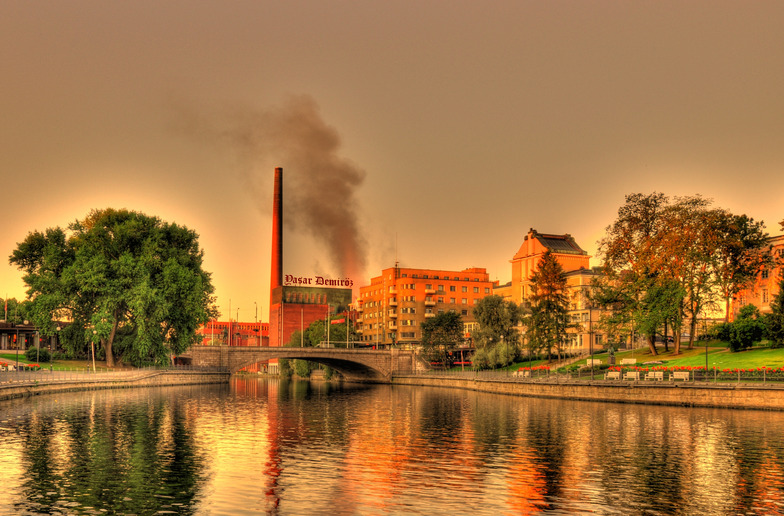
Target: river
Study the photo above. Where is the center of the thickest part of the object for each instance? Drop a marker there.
(258, 446)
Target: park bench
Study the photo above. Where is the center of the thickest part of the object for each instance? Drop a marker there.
(655, 375)
(631, 375)
(612, 375)
(680, 375)
(594, 361)
(628, 361)
(522, 373)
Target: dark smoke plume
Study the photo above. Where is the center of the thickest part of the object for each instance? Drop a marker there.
(319, 184)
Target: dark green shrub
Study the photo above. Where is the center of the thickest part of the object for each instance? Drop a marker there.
(37, 355)
(747, 329)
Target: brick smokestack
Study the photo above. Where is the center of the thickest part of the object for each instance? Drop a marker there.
(277, 232)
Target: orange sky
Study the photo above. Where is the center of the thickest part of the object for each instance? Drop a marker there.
(459, 124)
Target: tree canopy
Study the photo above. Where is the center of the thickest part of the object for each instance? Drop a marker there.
(667, 260)
(442, 334)
(496, 339)
(127, 281)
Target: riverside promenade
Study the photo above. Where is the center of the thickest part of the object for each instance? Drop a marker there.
(20, 384)
(735, 395)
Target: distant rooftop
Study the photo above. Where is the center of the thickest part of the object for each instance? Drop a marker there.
(561, 244)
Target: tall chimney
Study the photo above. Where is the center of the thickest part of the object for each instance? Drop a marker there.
(277, 232)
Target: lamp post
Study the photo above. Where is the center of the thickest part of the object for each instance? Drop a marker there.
(92, 347)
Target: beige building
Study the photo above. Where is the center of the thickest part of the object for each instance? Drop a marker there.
(766, 286)
(579, 276)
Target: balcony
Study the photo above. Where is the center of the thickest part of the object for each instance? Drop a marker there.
(393, 290)
(430, 291)
(392, 325)
(392, 301)
(428, 316)
(429, 301)
(392, 314)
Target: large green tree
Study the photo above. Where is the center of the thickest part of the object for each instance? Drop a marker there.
(497, 338)
(742, 251)
(442, 334)
(669, 260)
(129, 282)
(548, 307)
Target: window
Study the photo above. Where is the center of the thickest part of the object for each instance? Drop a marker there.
(429, 286)
(764, 295)
(440, 288)
(487, 290)
(765, 274)
(464, 312)
(464, 289)
(452, 300)
(451, 288)
(415, 275)
(465, 301)
(476, 290)
(440, 299)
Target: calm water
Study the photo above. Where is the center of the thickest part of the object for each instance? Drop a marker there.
(263, 446)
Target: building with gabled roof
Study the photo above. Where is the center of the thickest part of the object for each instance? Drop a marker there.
(570, 255)
(579, 279)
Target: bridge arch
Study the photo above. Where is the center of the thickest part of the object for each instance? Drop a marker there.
(353, 364)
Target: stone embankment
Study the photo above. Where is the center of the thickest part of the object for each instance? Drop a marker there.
(693, 394)
(41, 384)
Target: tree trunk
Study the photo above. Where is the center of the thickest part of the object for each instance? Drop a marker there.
(666, 345)
(108, 345)
(677, 338)
(692, 331)
(727, 309)
(652, 344)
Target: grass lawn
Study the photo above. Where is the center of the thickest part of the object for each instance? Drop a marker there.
(57, 365)
(719, 355)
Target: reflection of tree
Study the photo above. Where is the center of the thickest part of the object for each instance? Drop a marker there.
(115, 453)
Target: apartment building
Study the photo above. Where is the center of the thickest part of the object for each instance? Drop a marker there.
(394, 305)
(766, 285)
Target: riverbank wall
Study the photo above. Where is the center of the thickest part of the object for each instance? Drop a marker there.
(145, 379)
(691, 394)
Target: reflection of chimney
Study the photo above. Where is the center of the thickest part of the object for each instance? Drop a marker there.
(277, 231)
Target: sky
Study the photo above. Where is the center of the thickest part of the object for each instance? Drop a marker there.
(429, 133)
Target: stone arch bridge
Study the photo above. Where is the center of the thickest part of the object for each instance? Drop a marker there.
(354, 364)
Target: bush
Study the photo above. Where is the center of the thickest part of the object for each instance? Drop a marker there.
(38, 355)
(747, 329)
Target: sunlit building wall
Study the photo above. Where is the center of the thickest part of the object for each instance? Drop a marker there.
(579, 277)
(766, 286)
(394, 305)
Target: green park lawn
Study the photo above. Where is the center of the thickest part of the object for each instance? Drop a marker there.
(57, 365)
(719, 356)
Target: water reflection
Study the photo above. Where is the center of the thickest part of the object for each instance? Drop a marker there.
(263, 446)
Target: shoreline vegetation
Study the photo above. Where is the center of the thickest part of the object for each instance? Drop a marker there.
(757, 368)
